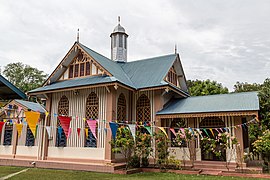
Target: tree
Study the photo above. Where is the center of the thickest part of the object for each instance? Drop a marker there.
(246, 87)
(205, 87)
(24, 76)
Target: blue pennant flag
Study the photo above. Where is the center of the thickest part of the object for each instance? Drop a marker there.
(114, 127)
(60, 131)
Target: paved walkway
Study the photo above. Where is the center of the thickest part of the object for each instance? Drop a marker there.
(13, 174)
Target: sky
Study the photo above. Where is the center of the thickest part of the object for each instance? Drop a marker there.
(222, 40)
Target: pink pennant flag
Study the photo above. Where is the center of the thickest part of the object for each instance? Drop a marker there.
(19, 111)
(173, 131)
(79, 131)
(92, 125)
(217, 130)
(69, 132)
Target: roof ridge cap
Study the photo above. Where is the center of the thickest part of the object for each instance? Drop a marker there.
(138, 60)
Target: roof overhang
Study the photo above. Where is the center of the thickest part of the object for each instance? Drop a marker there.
(209, 114)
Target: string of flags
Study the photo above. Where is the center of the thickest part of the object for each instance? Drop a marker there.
(32, 118)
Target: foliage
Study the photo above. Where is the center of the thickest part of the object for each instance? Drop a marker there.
(24, 76)
(124, 144)
(187, 137)
(264, 97)
(246, 87)
(205, 87)
(174, 163)
(143, 147)
(217, 146)
(162, 149)
(262, 145)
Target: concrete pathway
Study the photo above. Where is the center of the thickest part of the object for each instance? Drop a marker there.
(13, 174)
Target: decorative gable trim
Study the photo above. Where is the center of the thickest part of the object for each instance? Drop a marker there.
(67, 60)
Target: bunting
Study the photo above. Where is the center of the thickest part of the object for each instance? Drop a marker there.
(65, 123)
(69, 132)
(132, 128)
(1, 126)
(173, 131)
(212, 132)
(149, 129)
(48, 128)
(79, 131)
(86, 132)
(60, 130)
(114, 127)
(206, 132)
(163, 130)
(92, 125)
(198, 130)
(19, 129)
(32, 120)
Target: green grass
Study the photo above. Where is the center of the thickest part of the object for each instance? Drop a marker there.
(6, 170)
(34, 173)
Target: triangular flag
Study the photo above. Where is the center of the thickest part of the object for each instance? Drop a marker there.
(32, 120)
(163, 130)
(60, 130)
(206, 132)
(79, 131)
(1, 126)
(149, 129)
(106, 130)
(86, 133)
(183, 132)
(132, 128)
(48, 128)
(19, 129)
(114, 127)
(69, 132)
(212, 132)
(46, 114)
(198, 130)
(191, 130)
(65, 123)
(92, 125)
(173, 131)
(19, 111)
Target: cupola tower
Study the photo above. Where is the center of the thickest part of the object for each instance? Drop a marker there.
(119, 43)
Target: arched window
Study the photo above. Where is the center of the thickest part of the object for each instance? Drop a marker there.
(121, 108)
(91, 112)
(143, 109)
(212, 122)
(63, 110)
(63, 106)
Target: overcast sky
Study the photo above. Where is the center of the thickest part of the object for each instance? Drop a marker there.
(222, 40)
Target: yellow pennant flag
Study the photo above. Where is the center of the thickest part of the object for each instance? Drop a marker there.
(163, 130)
(19, 129)
(46, 114)
(32, 120)
(86, 132)
(212, 132)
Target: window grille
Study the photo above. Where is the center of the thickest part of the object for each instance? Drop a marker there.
(8, 135)
(143, 109)
(63, 109)
(30, 139)
(121, 108)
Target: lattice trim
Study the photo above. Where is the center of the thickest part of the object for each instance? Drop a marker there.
(121, 108)
(143, 109)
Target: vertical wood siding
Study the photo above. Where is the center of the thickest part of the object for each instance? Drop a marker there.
(77, 105)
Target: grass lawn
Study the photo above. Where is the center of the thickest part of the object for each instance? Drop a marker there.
(34, 173)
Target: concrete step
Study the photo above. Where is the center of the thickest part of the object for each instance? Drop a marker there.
(213, 173)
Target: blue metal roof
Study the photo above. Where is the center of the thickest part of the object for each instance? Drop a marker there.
(149, 72)
(32, 105)
(78, 82)
(247, 101)
(9, 91)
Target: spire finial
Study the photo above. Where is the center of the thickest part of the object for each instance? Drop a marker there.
(118, 19)
(78, 35)
(175, 49)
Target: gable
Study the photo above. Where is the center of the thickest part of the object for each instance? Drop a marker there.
(176, 76)
(82, 65)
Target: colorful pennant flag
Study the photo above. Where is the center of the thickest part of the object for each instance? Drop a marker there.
(48, 128)
(206, 132)
(1, 126)
(212, 132)
(86, 132)
(65, 123)
(114, 127)
(183, 132)
(19, 129)
(92, 125)
(32, 120)
(132, 128)
(60, 130)
(69, 132)
(173, 131)
(46, 114)
(79, 131)
(198, 130)
(163, 130)
(149, 129)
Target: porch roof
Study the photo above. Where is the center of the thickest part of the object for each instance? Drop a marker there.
(234, 102)
(9, 91)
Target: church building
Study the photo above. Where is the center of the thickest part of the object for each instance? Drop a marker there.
(89, 86)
